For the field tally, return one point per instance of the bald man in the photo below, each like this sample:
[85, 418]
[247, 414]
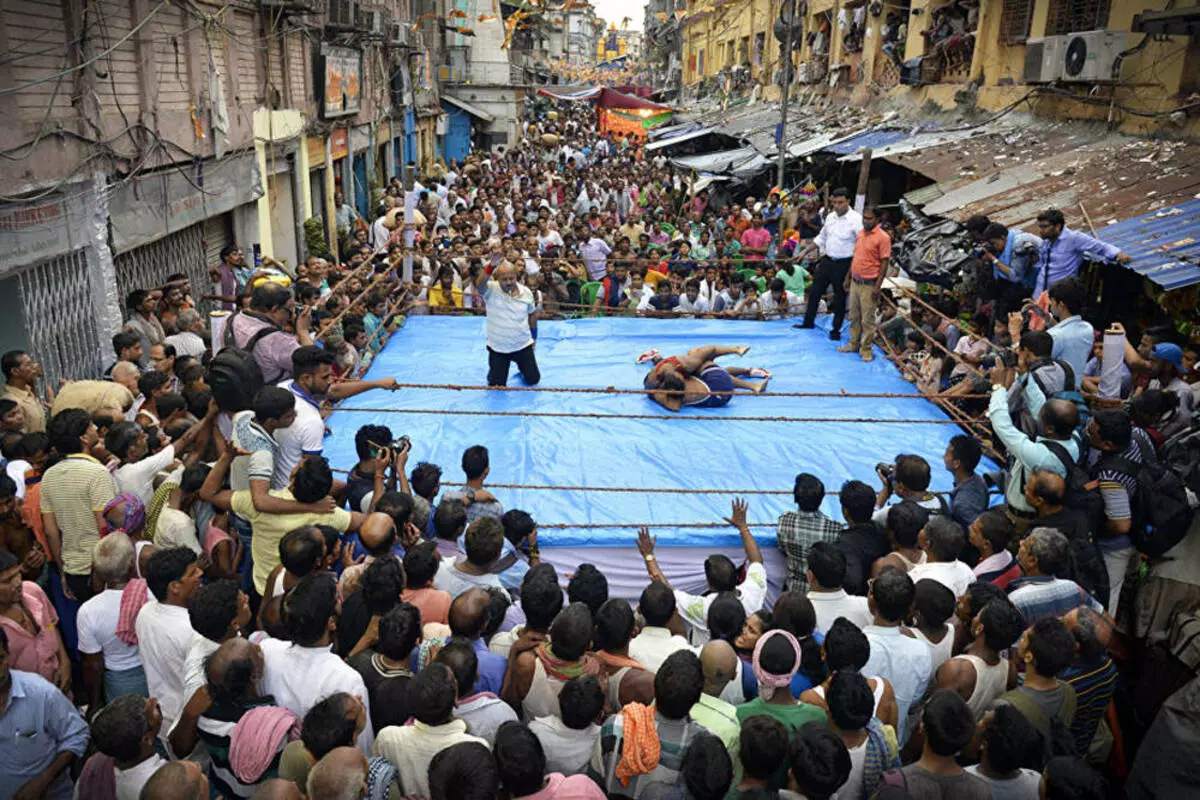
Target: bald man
[340, 775]
[178, 780]
[1046, 493]
[231, 674]
[126, 373]
[719, 663]
[277, 789]
[468, 618]
[378, 538]
[511, 324]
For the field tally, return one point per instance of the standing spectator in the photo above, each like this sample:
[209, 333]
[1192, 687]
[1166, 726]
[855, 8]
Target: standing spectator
[1073, 336]
[762, 753]
[719, 662]
[410, 748]
[1007, 744]
[905, 662]
[21, 373]
[981, 674]
[991, 534]
[189, 338]
[568, 738]
[470, 614]
[336, 721]
[386, 663]
[539, 668]
[483, 542]
[28, 619]
[862, 542]
[777, 657]
[52, 734]
[164, 629]
[259, 330]
[1043, 555]
[420, 566]
[141, 305]
[483, 712]
[1115, 459]
[74, 494]
[868, 268]
[942, 540]
[820, 763]
[523, 769]
[112, 665]
[871, 745]
[826, 578]
[1063, 251]
[801, 529]
[933, 605]
[908, 480]
[948, 727]
[836, 242]
[656, 641]
[1092, 674]
[969, 497]
[755, 239]
[1046, 648]
[229, 277]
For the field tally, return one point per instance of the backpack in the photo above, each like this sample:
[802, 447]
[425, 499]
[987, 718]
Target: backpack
[1161, 514]
[1057, 739]
[235, 377]
[1070, 392]
[1079, 495]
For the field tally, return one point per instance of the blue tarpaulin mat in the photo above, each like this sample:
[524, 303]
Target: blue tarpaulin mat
[696, 450]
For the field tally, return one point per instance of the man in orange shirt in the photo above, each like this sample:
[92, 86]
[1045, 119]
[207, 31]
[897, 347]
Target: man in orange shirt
[872, 254]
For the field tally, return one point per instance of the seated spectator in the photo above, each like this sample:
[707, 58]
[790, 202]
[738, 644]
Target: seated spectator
[819, 762]
[1046, 648]
[111, 663]
[537, 670]
[126, 731]
[523, 770]
[1092, 674]
[622, 762]
[943, 540]
[465, 771]
[655, 641]
[336, 721]
[990, 534]
[981, 674]
[420, 566]
[904, 523]
[948, 727]
[301, 672]
[627, 680]
[483, 542]
[410, 748]
[777, 657]
[799, 530]
[483, 712]
[1043, 555]
[826, 575]
[568, 738]
[933, 605]
[55, 735]
[387, 661]
[905, 662]
[908, 480]
[1007, 744]
[847, 649]
[862, 542]
[762, 753]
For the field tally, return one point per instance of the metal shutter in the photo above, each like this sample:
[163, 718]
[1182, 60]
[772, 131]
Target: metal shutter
[60, 318]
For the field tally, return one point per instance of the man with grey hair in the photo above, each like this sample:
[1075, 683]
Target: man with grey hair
[719, 663]
[126, 373]
[1043, 556]
[189, 340]
[111, 666]
[511, 324]
[340, 775]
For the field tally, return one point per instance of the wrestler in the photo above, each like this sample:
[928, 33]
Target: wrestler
[695, 379]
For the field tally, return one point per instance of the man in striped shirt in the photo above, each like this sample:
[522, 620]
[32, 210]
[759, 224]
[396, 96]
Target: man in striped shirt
[1115, 459]
[1093, 674]
[1044, 554]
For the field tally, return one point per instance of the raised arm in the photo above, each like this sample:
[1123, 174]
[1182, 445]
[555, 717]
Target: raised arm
[738, 520]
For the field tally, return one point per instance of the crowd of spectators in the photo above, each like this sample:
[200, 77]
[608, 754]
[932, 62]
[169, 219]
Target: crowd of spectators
[191, 605]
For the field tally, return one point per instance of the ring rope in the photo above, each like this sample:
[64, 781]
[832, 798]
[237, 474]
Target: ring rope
[614, 390]
[578, 415]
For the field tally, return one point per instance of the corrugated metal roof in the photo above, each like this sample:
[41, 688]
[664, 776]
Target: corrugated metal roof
[716, 162]
[473, 110]
[674, 140]
[1164, 245]
[870, 139]
[921, 141]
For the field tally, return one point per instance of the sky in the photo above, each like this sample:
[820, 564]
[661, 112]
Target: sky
[615, 10]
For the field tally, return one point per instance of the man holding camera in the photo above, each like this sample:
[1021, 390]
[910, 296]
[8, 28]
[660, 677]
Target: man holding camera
[510, 309]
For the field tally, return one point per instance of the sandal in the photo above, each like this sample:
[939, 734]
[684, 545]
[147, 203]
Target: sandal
[649, 355]
[759, 372]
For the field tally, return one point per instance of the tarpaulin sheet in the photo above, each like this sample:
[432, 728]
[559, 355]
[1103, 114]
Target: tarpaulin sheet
[696, 449]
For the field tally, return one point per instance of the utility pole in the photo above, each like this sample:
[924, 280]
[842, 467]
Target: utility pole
[786, 63]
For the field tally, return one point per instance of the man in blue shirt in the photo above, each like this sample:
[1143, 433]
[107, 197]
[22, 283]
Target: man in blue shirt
[1073, 337]
[1013, 255]
[1063, 250]
[41, 734]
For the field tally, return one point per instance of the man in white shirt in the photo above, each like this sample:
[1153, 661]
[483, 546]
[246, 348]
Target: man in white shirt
[188, 342]
[836, 244]
[942, 540]
[691, 302]
[905, 662]
[164, 629]
[110, 665]
[779, 302]
[125, 731]
[510, 324]
[302, 672]
[826, 574]
[655, 642]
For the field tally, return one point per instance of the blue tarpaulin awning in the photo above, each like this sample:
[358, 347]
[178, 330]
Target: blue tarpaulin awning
[1164, 245]
[870, 139]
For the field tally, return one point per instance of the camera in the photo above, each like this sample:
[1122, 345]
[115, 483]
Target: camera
[887, 471]
[396, 445]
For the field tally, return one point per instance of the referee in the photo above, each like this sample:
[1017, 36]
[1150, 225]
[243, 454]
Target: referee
[510, 324]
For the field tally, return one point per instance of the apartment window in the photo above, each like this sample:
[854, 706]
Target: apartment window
[1015, 19]
[700, 63]
[1073, 16]
[760, 43]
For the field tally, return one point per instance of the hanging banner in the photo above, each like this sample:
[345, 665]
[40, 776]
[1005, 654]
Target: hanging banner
[342, 72]
[51, 227]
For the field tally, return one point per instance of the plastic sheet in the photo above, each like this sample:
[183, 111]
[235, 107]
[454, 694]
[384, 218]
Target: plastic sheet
[678, 453]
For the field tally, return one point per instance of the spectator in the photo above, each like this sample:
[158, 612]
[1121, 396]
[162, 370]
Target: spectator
[948, 727]
[569, 737]
[588, 586]
[125, 731]
[1063, 251]
[217, 612]
[178, 780]
[1043, 555]
[1069, 777]
[1072, 336]
[848, 649]
[980, 674]
[537, 669]
[942, 540]
[341, 769]
[719, 663]
[826, 576]
[378, 537]
[336, 721]
[387, 661]
[469, 615]
[1092, 674]
[969, 498]
[871, 745]
[541, 600]
[410, 748]
[21, 373]
[991, 534]
[933, 604]
[483, 712]
[1115, 459]
[465, 771]
[656, 641]
[483, 543]
[777, 657]
[799, 530]
[1046, 648]
[420, 566]
[906, 663]
[762, 754]
[523, 770]
[29, 620]
[112, 665]
[449, 522]
[862, 542]
[1007, 744]
[188, 340]
[909, 480]
[905, 521]
[259, 330]
[627, 680]
[55, 735]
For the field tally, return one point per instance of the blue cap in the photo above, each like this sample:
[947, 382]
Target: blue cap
[1171, 352]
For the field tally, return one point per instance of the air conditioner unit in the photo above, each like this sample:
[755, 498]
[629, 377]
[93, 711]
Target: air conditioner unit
[1093, 56]
[342, 14]
[373, 23]
[401, 34]
[1044, 59]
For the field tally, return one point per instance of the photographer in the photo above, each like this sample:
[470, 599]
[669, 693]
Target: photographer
[907, 479]
[1013, 256]
[511, 323]
[260, 330]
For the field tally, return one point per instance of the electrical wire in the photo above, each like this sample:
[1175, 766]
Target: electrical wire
[47, 78]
